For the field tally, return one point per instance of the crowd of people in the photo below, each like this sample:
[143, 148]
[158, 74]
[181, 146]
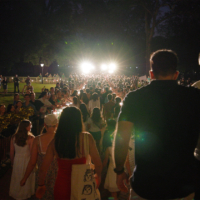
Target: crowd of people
[82, 122]
[99, 100]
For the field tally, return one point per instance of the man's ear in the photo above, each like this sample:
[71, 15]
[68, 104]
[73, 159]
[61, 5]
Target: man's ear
[176, 75]
[151, 74]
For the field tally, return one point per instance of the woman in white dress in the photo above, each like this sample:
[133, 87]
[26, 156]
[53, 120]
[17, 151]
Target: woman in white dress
[20, 148]
[110, 181]
[96, 126]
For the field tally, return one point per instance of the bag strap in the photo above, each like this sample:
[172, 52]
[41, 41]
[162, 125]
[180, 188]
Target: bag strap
[86, 144]
[87, 148]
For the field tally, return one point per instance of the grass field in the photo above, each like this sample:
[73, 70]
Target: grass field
[8, 98]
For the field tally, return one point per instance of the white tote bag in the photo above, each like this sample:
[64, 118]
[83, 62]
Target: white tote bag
[83, 184]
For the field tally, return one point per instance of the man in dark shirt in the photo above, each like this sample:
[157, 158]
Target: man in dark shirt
[165, 137]
[27, 103]
[104, 95]
[38, 104]
[16, 83]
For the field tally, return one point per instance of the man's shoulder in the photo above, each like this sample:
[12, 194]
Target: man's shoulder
[139, 91]
[189, 91]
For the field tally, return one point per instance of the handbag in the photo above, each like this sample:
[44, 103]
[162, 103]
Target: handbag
[83, 184]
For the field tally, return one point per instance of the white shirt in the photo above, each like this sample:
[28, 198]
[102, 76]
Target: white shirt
[93, 126]
[46, 103]
[92, 104]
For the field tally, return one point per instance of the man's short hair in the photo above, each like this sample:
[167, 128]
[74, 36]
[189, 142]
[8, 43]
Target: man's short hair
[106, 89]
[109, 97]
[118, 99]
[163, 62]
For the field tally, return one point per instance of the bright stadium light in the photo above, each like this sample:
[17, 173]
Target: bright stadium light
[112, 67]
[110, 71]
[86, 67]
[104, 67]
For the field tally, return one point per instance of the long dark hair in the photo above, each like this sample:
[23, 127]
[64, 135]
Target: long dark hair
[96, 115]
[95, 96]
[74, 93]
[9, 108]
[67, 134]
[84, 112]
[21, 134]
[17, 103]
[85, 98]
[75, 100]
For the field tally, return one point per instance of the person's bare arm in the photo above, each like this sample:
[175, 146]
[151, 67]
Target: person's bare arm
[127, 165]
[23, 89]
[43, 89]
[95, 155]
[32, 162]
[121, 145]
[46, 163]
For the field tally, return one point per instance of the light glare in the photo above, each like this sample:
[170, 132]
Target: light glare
[104, 67]
[112, 66]
[87, 67]
[110, 71]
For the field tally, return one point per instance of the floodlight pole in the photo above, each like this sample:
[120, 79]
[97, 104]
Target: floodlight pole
[42, 65]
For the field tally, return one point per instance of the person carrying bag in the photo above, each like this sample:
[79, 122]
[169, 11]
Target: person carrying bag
[83, 182]
[71, 146]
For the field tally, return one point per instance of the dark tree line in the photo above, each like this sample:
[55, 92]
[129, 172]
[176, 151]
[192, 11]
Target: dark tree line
[67, 32]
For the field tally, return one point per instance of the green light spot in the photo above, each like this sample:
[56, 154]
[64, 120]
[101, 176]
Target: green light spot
[65, 42]
[98, 44]
[142, 139]
[112, 43]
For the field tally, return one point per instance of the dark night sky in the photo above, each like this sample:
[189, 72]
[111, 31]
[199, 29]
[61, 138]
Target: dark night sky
[28, 34]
